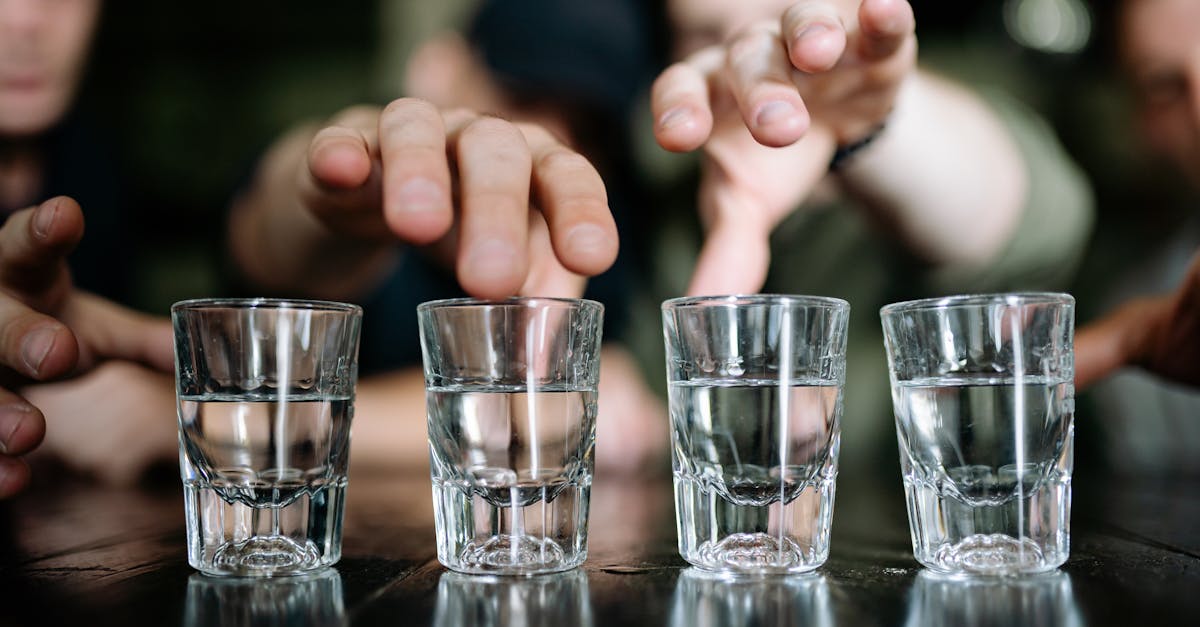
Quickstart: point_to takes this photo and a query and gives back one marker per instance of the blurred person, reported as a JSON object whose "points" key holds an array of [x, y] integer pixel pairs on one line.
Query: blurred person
{"points": [[934, 189], [1148, 411], [366, 237], [52, 327], [832, 164], [50, 330], [117, 417]]}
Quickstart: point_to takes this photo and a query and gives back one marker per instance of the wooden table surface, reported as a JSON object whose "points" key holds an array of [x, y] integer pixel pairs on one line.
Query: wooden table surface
{"points": [[73, 553]]}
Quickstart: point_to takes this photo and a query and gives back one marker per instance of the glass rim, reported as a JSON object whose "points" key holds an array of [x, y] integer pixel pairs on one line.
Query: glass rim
{"points": [[957, 301], [804, 300], [210, 304], [513, 301]]}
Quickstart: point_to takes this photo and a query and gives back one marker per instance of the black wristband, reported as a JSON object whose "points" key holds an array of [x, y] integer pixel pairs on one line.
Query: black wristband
{"points": [[844, 152]]}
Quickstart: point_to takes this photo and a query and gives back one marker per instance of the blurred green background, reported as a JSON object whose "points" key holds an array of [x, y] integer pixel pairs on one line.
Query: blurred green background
{"points": [[190, 93]]}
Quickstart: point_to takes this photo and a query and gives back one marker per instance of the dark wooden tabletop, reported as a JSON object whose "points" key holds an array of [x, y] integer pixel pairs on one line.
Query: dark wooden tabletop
{"points": [[74, 553]]}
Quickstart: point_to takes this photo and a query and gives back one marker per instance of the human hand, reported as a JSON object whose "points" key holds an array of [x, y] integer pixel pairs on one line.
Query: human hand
{"points": [[117, 440], [1160, 334], [826, 73], [464, 183], [49, 330]]}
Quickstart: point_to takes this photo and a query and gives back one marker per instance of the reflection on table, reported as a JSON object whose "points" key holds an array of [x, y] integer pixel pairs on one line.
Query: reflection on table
{"points": [[79, 554], [1031, 601], [704, 599], [539, 601], [314, 599]]}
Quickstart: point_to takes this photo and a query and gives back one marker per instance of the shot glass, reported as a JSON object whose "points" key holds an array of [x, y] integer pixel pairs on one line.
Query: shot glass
{"points": [[755, 391], [511, 406], [265, 393], [982, 388]]}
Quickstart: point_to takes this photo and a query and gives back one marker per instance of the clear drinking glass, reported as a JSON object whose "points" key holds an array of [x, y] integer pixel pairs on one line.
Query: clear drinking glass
{"points": [[265, 394], [755, 387], [511, 398], [984, 400]]}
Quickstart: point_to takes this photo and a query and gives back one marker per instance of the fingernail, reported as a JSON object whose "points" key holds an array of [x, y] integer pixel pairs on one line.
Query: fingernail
{"points": [[491, 260], [588, 239], [813, 30], [673, 118], [420, 195], [35, 348], [774, 112], [11, 418], [43, 219]]}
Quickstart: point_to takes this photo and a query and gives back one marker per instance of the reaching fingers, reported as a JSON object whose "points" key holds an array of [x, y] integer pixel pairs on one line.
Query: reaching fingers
{"points": [[417, 202], [547, 277], [758, 74], [815, 36], [34, 244], [33, 344], [494, 169], [885, 27], [679, 101], [109, 331], [341, 181], [571, 195], [14, 476], [736, 252], [22, 425]]}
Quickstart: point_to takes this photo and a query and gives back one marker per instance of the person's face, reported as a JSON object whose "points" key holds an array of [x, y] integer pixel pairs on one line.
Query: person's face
{"points": [[43, 46], [1160, 48]]}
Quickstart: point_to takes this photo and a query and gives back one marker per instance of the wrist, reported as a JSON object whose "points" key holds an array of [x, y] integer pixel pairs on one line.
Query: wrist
{"points": [[846, 151]]}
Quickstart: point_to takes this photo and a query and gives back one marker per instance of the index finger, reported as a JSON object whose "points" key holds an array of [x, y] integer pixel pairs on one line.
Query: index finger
{"points": [[571, 195], [814, 34], [680, 101], [416, 172], [34, 244]]}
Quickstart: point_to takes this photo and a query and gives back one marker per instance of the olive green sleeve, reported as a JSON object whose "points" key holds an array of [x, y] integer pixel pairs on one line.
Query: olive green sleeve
{"points": [[1046, 247]]}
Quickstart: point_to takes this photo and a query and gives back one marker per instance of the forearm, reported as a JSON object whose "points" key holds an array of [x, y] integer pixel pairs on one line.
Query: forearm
{"points": [[278, 244], [1118, 340], [945, 172]]}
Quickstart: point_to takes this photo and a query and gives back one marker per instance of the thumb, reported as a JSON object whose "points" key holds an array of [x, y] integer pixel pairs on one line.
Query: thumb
{"points": [[736, 253], [106, 330]]}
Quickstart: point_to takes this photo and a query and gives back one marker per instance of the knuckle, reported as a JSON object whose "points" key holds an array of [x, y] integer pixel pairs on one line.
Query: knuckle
{"points": [[410, 105], [353, 114], [750, 45], [486, 129], [536, 134], [565, 160]]}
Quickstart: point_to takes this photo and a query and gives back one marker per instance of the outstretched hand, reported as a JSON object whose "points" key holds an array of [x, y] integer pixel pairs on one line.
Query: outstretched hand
{"points": [[826, 73], [507, 205], [1160, 334], [50, 330]]}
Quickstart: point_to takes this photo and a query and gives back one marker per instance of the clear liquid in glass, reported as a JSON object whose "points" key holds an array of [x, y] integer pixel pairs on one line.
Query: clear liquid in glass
{"points": [[987, 471], [264, 481], [755, 463], [512, 474]]}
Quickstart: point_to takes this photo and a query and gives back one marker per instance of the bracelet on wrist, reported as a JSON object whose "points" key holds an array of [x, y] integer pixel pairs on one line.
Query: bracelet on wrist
{"points": [[845, 151]]}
